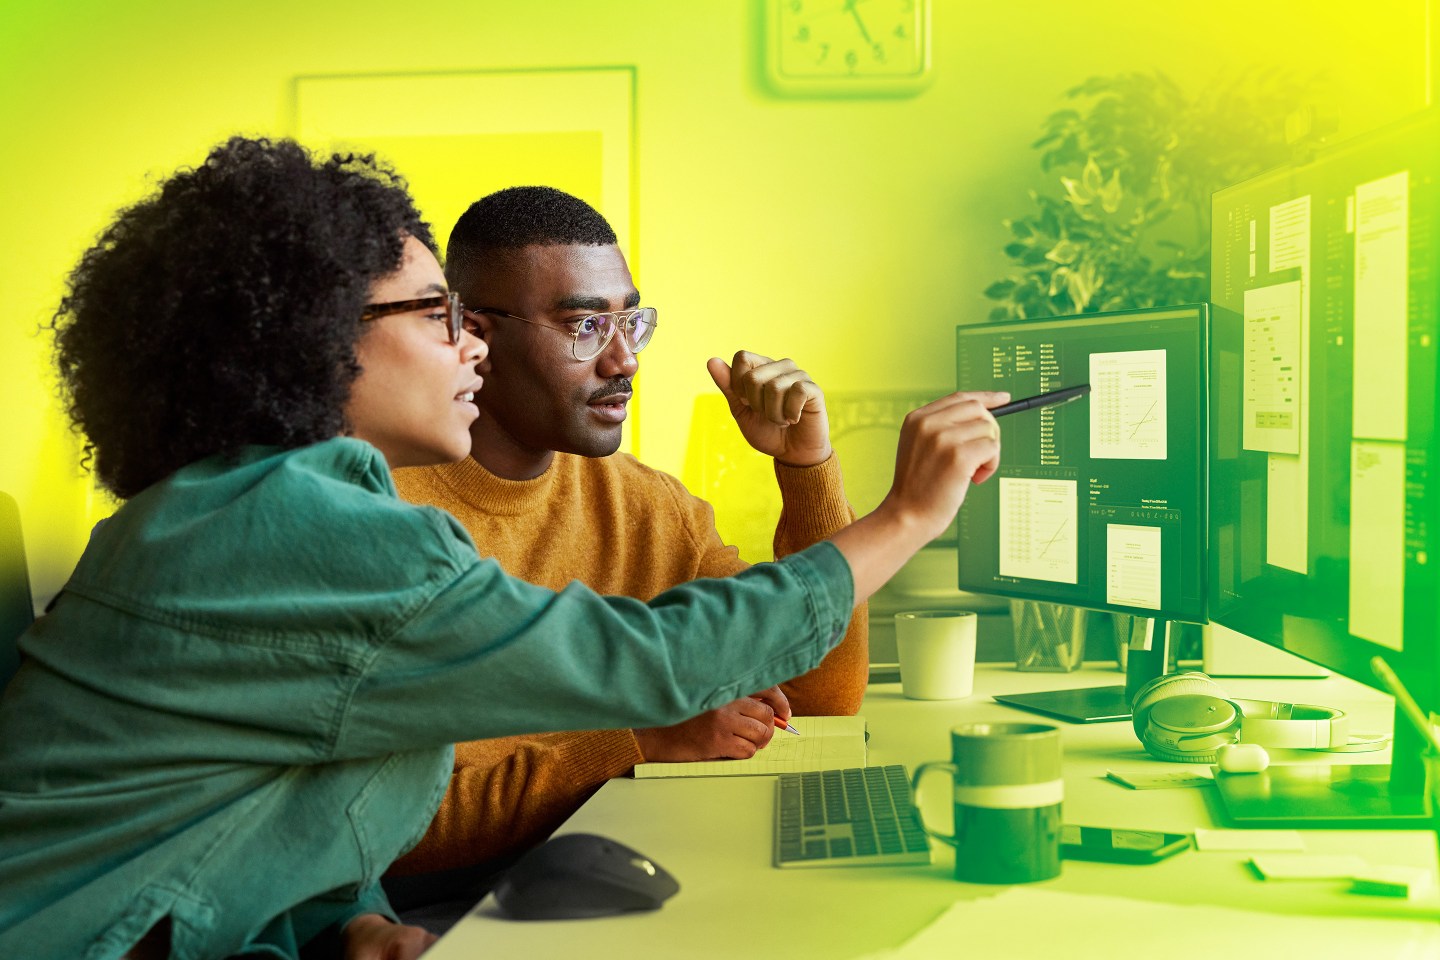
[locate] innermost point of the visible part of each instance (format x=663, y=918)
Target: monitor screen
x=1325, y=500
x=1098, y=503
x=1325, y=509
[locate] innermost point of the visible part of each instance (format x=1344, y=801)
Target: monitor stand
x=1148, y=653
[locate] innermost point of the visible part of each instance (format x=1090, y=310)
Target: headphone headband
x=1199, y=721
x=1301, y=726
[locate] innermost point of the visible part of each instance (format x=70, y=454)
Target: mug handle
x=915, y=786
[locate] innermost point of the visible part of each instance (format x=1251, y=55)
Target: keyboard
x=860, y=816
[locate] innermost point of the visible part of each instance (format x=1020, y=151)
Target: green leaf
x=1000, y=289
x=1063, y=252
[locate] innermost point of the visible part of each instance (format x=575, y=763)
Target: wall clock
x=863, y=48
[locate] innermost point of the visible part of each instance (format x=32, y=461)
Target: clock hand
x=850, y=6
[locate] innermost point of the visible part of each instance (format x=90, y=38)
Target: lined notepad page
x=825, y=743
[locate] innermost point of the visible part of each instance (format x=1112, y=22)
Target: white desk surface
x=714, y=835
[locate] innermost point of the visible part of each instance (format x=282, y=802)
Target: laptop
x=1082, y=705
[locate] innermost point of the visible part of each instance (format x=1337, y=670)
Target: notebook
x=825, y=743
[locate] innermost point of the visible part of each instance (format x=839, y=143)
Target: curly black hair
x=223, y=310
x=516, y=217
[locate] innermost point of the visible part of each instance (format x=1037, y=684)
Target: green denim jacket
x=240, y=709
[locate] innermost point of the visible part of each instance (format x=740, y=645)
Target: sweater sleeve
x=813, y=507
x=510, y=793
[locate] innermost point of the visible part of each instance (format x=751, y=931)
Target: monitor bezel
x=1201, y=314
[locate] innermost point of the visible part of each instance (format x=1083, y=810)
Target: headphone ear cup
x=1169, y=685
x=1162, y=688
x=1190, y=728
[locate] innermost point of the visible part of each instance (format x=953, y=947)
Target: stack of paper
x=1025, y=923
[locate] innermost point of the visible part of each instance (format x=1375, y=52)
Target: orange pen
x=785, y=726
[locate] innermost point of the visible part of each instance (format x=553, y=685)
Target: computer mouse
x=582, y=875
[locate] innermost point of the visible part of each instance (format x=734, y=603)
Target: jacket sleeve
x=510, y=793
x=813, y=507
x=535, y=660
x=319, y=923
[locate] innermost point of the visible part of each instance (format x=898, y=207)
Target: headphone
x=1186, y=717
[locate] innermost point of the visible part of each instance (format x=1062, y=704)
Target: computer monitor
x=1099, y=503
x=1325, y=505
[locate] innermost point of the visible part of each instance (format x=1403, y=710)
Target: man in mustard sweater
x=545, y=493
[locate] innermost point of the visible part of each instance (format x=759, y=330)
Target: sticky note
x=1210, y=840
x=1162, y=781
x=1384, y=881
x=1308, y=866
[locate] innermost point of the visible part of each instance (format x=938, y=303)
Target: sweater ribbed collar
x=478, y=487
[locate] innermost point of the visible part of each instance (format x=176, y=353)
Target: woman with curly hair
x=239, y=710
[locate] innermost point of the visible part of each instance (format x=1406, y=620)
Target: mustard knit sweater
x=620, y=528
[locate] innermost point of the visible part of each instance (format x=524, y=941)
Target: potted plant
x=1133, y=161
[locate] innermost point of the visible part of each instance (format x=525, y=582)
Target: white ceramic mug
x=937, y=653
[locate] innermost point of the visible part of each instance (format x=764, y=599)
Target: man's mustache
x=612, y=386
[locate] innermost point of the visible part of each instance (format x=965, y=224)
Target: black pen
x=1042, y=400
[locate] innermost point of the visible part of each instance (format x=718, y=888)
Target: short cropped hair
x=519, y=217
x=223, y=310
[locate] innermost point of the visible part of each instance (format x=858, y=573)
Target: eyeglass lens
x=595, y=333
x=458, y=321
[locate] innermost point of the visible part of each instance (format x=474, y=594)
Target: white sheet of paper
x=1127, y=406
x=1038, y=520
x=1273, y=363
x=1288, y=482
x=1377, y=542
x=1272, y=415
x=1029, y=923
x=1382, y=271
x=1132, y=565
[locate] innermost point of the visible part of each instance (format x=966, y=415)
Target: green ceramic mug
x=1008, y=791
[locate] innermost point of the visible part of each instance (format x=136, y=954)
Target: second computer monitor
x=1100, y=502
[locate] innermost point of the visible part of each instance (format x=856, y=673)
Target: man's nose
x=617, y=359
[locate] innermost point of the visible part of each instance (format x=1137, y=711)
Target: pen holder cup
x=1008, y=790
x=1049, y=637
